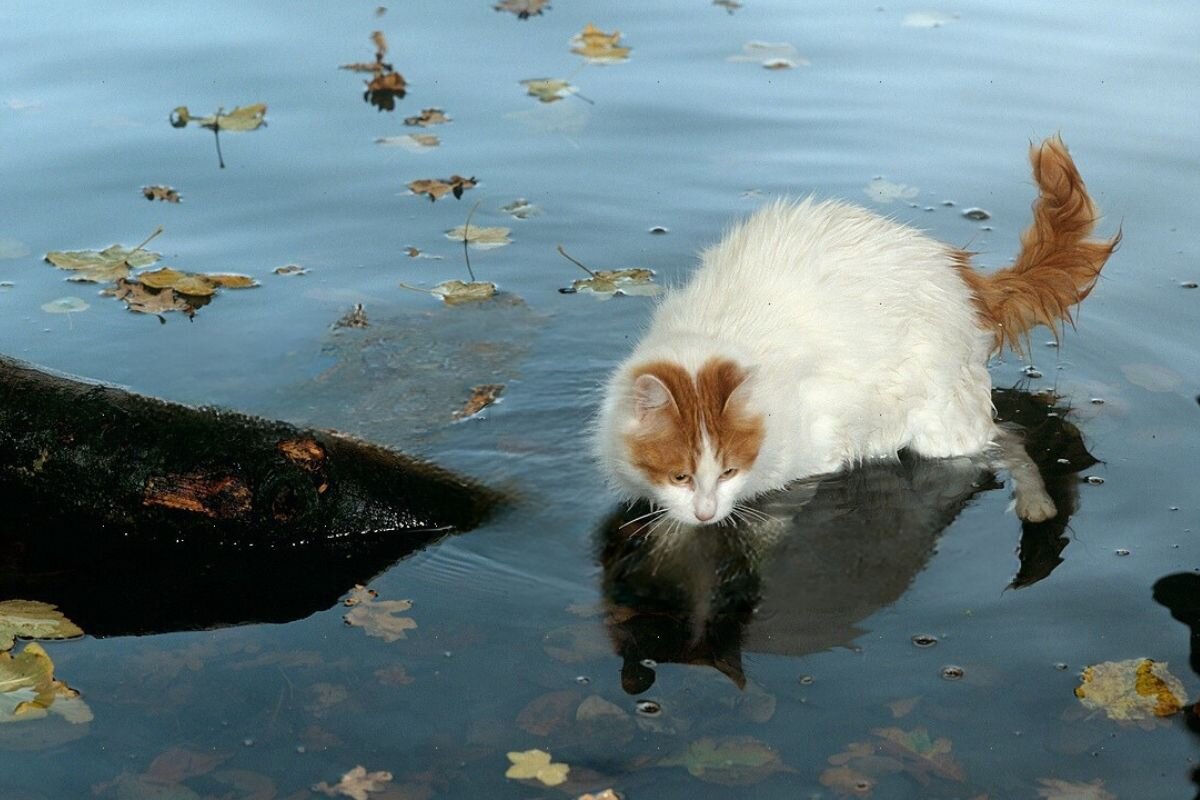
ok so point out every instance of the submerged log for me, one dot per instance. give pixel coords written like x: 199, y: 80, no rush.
x: 109, y: 498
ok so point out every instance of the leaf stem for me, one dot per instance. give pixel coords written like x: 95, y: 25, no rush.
x: 466, y: 234
x: 563, y: 253
x: 145, y: 242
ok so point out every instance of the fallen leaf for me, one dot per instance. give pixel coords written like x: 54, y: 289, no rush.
x: 356, y: 784
x: 920, y: 755
x: 524, y: 9
x: 848, y: 782
x: 354, y: 318
x: 902, y: 708
x: 378, y: 617
x: 290, y: 269
x: 1131, y: 690
x: 599, y: 47
x: 428, y: 116
x: 241, y: 119
x: 606, y: 283
x: 12, y: 248
x: 194, y: 284
x: 1152, y: 377
x: 1054, y: 789
x: 728, y: 761
x: 410, y: 141
x: 26, y: 682
x: 548, y: 713
x: 536, y: 765
x: 435, y: 188
x: 729, y: 5
x: 32, y: 619
x: 456, y: 292
x: 884, y: 191
x: 413, y: 252
x: 176, y: 765
x: 548, y: 90
x: 164, y: 193
x: 480, y: 238
x: 93, y: 266
x: 520, y: 208
x: 144, y: 300
x: 607, y: 794
x: 392, y: 82
x: 772, y: 55
x: 481, y: 397
x: 395, y: 675
x: 381, y: 44
x: 65, y: 305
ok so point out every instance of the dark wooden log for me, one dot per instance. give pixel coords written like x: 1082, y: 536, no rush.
x: 138, y: 515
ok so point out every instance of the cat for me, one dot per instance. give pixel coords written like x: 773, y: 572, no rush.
x: 817, y: 335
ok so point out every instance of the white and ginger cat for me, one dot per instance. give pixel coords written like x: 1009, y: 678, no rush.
x: 817, y: 335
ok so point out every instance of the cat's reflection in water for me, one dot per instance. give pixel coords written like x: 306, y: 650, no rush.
x: 828, y: 555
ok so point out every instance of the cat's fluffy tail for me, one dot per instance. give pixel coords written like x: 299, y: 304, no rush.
x: 1058, y: 264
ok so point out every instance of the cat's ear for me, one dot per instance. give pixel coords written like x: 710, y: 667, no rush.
x: 741, y: 389
x: 649, y: 395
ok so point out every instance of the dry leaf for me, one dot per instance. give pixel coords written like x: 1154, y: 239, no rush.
x: 520, y: 208
x: 106, y: 265
x: 607, y: 794
x: 536, y: 765
x: 145, y: 300
x: 241, y: 119
x: 355, y: 318
x: 606, y: 283
x: 479, y: 237
x: 290, y: 269
x: 194, y: 284
x: 435, y: 188
x: 1054, y: 789
x: 729, y: 5
x: 164, y: 193
x: 524, y: 9
x: 548, y: 90
x: 377, y: 617
x: 902, y: 708
x: 481, y: 397
x: 456, y: 292
x: 410, y: 141
x: 32, y: 619
x: 356, y: 784
x: 599, y: 47
x: 1131, y: 690
x: 921, y: 755
x: 381, y: 45
x: 26, y: 682
x: 392, y: 82
x: 414, y: 252
x: 428, y: 116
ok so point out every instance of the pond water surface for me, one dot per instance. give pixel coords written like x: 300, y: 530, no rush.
x: 540, y: 630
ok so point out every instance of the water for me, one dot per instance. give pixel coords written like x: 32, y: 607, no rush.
x: 508, y: 617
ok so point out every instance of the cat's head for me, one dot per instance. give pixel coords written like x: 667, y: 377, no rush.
x: 690, y: 440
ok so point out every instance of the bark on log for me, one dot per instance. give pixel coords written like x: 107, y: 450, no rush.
x: 137, y: 516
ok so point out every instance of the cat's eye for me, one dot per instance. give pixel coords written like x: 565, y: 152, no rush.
x: 729, y: 473
x: 681, y: 479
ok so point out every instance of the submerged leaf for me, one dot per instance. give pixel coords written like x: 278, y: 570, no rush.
x: 479, y: 237
x: 66, y: 305
x: 921, y: 755
x: 435, y: 188
x: 354, y: 318
x: 599, y: 47
x: 728, y: 761
x: 548, y: 90
x: 32, y: 619
x: 377, y: 617
x: 1135, y: 689
x: 1054, y: 789
x: 356, y: 784
x: 536, y: 765
x: 521, y: 208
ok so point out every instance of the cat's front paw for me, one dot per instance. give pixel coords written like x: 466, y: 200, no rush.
x: 1035, y: 506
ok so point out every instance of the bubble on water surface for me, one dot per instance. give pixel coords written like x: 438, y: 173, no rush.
x: 950, y: 672
x: 924, y: 640
x: 648, y: 708
x: 1094, y: 480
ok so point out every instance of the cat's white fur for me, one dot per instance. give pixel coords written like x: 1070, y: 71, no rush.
x: 860, y: 339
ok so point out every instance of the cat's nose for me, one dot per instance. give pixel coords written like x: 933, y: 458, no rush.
x: 705, y: 515
x: 705, y: 508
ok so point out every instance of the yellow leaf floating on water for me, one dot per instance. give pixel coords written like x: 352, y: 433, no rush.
x: 427, y: 117
x: 164, y: 193
x: 548, y: 90
x: 377, y: 617
x: 195, y: 284
x: 93, y: 266
x: 1131, y: 690
x: 606, y: 283
x: 481, y: 397
x: 241, y: 119
x: 536, y: 765
x: 356, y: 784
x: 480, y: 238
x: 32, y: 619
x: 524, y: 9
x: 599, y: 47
x: 435, y: 188
x: 1054, y: 789
x: 28, y: 690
